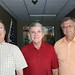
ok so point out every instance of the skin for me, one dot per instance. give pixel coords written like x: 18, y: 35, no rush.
x: 19, y: 72
x: 2, y: 33
x: 36, y: 35
x: 69, y: 30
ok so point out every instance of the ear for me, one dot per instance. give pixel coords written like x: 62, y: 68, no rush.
x: 43, y: 34
x: 5, y: 31
x: 74, y: 27
x: 62, y: 29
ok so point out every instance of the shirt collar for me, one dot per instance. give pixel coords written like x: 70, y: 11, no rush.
x: 66, y: 41
x: 32, y: 45
x: 2, y: 43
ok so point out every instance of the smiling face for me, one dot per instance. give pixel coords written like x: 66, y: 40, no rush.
x: 2, y: 32
x: 36, y: 34
x: 68, y: 28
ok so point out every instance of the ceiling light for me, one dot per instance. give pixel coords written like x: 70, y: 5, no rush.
x: 42, y: 15
x: 34, y: 1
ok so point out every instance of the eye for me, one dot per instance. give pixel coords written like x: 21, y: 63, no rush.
x: 1, y: 29
x: 39, y: 31
x: 70, y: 26
x: 32, y: 32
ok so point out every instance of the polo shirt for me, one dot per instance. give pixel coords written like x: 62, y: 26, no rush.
x: 66, y: 56
x: 40, y: 62
x: 11, y: 59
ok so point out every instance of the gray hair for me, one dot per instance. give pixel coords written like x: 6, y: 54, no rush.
x: 36, y: 25
x: 66, y: 19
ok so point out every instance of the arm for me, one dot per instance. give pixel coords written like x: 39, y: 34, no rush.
x: 20, y: 72
x: 55, y: 71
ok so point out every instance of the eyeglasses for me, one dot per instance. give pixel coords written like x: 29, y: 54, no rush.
x: 68, y: 26
x: 1, y: 29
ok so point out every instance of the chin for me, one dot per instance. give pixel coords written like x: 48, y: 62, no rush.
x: 36, y: 41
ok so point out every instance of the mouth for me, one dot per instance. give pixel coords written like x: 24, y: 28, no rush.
x: 36, y: 37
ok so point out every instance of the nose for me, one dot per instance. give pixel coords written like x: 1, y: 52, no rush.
x: 35, y: 33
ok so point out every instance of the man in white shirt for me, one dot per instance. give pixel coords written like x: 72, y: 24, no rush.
x: 11, y: 58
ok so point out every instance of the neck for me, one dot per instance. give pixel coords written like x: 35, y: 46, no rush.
x: 69, y: 38
x: 2, y: 41
x: 37, y: 45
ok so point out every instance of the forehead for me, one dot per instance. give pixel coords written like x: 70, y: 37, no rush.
x: 1, y: 25
x: 68, y: 22
x: 35, y: 28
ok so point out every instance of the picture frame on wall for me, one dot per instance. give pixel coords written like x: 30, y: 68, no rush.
x: 26, y: 37
x: 49, y: 36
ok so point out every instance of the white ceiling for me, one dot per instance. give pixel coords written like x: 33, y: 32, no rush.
x: 22, y: 9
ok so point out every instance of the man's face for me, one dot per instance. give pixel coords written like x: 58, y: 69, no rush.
x: 36, y: 34
x: 2, y: 32
x: 68, y: 28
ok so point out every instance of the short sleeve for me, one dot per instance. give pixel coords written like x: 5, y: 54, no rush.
x: 20, y: 62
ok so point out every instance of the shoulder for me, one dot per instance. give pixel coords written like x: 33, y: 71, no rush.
x: 12, y: 46
x: 48, y: 46
x: 59, y: 42
x: 26, y: 47
x: 13, y: 49
x: 49, y: 49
